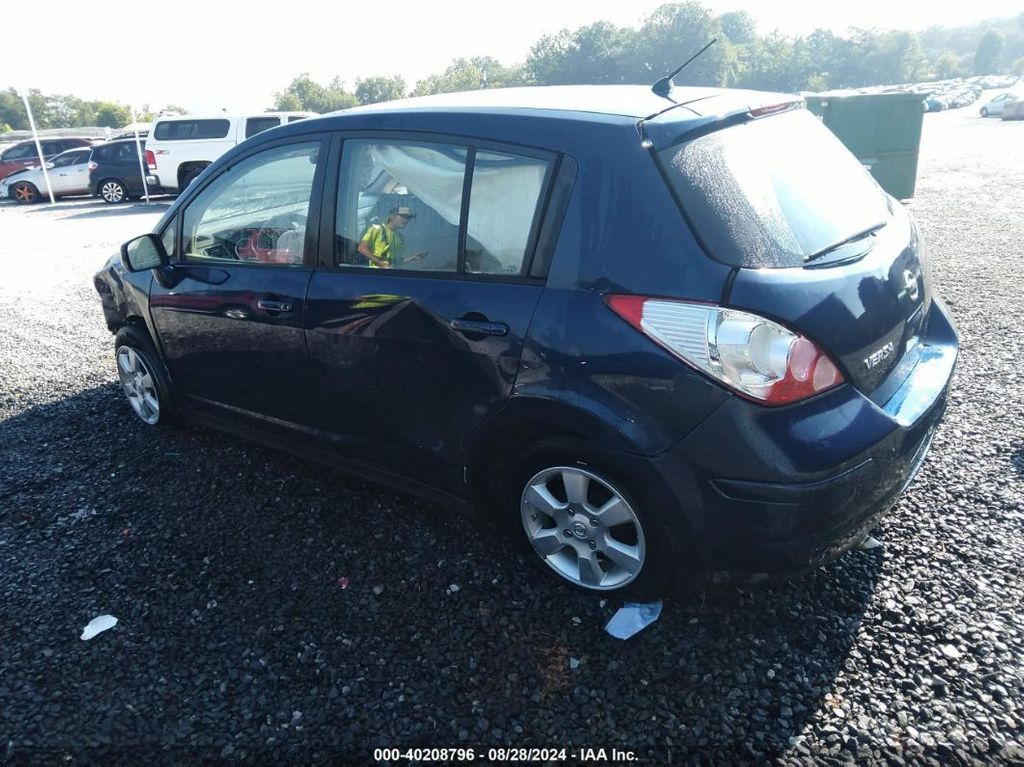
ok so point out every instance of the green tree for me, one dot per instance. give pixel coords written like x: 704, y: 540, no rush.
x: 739, y: 27
x: 469, y: 75
x: 373, y: 90
x: 672, y: 34
x: 989, y: 53
x: 948, y: 65
x: 595, y: 54
x: 772, y: 64
x: 304, y: 93
x: 109, y: 114
x: 12, y: 111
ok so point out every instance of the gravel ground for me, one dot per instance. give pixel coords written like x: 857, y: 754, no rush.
x: 236, y: 639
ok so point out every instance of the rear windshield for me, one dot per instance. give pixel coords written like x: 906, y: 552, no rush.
x: 773, y: 192
x: 178, y: 130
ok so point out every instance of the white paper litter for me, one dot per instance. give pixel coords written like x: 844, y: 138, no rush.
x: 98, y: 625
x: 870, y: 542
x: 632, y: 618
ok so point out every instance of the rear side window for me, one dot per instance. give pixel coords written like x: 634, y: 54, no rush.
x: 183, y: 130
x: 503, y: 201
x: 127, y: 152
x: 773, y: 192
x: 401, y: 206
x: 256, y: 125
x: 20, y: 152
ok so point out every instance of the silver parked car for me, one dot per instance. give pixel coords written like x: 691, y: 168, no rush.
x: 68, y: 171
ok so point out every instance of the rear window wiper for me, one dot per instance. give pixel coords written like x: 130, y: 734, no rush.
x: 852, y: 238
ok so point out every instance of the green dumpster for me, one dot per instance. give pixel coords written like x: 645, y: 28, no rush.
x: 883, y: 130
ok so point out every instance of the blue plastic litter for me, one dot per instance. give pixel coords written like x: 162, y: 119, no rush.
x: 632, y: 618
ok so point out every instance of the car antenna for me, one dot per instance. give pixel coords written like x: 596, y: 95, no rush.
x: 664, y: 85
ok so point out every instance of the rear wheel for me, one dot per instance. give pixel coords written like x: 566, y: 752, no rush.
x: 113, y: 191
x: 143, y: 381
x: 191, y: 176
x: 25, y: 192
x: 580, y: 522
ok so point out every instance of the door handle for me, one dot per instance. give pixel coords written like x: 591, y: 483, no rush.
x: 273, y: 305
x: 479, y: 327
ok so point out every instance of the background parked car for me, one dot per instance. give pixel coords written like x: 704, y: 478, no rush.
x: 68, y: 172
x: 25, y: 155
x: 184, y: 146
x: 115, y: 173
x: 995, y: 105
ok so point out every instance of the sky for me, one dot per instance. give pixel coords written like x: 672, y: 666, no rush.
x: 208, y: 55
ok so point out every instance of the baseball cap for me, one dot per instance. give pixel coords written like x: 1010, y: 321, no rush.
x: 402, y: 211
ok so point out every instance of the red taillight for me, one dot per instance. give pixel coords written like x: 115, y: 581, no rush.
x: 93, y: 165
x: 753, y: 356
x: 150, y: 159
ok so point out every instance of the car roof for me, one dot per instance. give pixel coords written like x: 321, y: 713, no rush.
x: 627, y: 101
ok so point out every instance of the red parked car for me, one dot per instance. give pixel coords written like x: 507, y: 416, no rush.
x: 25, y: 155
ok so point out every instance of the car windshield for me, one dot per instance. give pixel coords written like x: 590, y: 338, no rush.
x: 773, y: 192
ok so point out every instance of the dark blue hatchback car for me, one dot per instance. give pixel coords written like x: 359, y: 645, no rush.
x: 649, y: 335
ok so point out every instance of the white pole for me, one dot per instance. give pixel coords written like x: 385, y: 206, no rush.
x: 142, y: 162
x: 39, y: 147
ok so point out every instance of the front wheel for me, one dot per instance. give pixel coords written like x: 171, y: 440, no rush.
x: 113, y: 191
x: 580, y: 522
x: 142, y: 378
x: 24, y: 193
x: 984, y: 112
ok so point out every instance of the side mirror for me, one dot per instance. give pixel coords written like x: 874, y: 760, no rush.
x: 144, y: 252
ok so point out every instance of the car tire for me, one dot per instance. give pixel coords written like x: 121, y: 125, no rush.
x: 191, y: 176
x: 630, y: 558
x: 984, y: 112
x: 112, y: 191
x: 144, y: 381
x: 24, y: 193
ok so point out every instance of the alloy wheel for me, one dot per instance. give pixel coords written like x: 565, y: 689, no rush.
x: 25, y: 193
x: 583, y: 528
x: 111, y: 191
x: 139, y: 384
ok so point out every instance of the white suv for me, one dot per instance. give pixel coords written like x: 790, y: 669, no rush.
x: 179, y: 148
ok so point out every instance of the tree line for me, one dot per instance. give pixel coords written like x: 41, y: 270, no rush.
x: 603, y: 52
x: 61, y: 111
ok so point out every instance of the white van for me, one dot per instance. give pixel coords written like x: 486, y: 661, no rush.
x: 180, y: 147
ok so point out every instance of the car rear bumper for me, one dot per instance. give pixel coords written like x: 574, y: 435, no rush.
x: 777, y: 490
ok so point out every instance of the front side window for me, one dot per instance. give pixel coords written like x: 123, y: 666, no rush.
x: 64, y: 160
x: 169, y: 237
x: 180, y: 130
x: 401, y: 207
x: 256, y: 211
